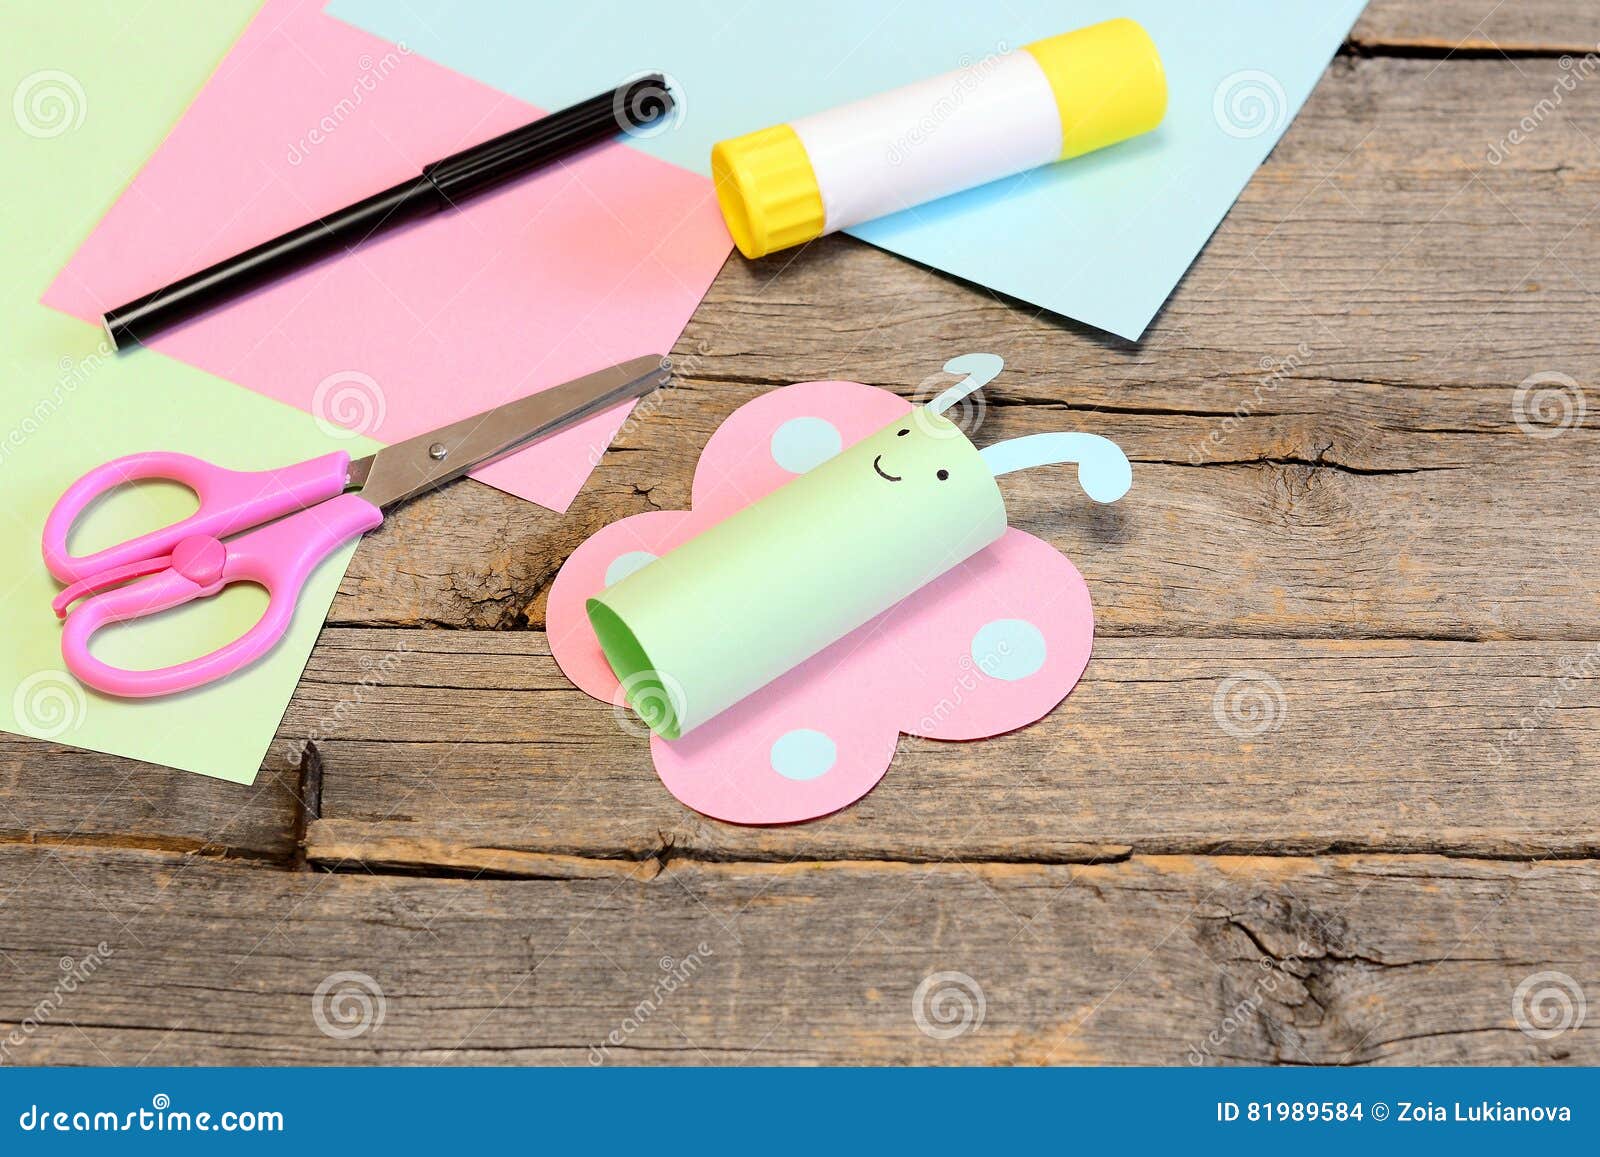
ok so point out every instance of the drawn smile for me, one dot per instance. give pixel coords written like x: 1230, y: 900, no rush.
x: 879, y: 469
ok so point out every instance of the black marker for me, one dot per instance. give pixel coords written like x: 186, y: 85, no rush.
x: 494, y: 162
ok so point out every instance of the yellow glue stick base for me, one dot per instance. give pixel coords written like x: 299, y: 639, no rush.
x: 1108, y: 83
x: 767, y: 191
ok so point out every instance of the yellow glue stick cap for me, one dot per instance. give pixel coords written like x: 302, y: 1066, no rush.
x: 1108, y: 82
x: 767, y: 190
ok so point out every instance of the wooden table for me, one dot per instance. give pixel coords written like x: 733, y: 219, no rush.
x: 1343, y: 517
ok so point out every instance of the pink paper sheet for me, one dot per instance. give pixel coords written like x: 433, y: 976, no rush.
x: 596, y: 260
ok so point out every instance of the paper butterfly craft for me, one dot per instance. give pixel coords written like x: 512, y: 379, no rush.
x: 989, y: 646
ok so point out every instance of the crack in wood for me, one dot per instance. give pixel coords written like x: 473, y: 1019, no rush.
x: 308, y: 800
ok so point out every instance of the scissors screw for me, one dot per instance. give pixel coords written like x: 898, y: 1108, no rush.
x: 437, y: 451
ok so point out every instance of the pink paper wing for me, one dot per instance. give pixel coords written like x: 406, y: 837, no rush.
x: 989, y: 646
x: 805, y: 745
x: 782, y: 434
x: 606, y: 557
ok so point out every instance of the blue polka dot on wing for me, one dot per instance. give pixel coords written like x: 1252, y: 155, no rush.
x: 625, y: 564
x: 1008, y: 649
x: 803, y: 754
x: 802, y: 443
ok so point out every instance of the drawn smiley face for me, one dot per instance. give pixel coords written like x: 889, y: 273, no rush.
x: 922, y: 449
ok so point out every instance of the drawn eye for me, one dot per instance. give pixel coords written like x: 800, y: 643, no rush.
x: 942, y: 475
x: 903, y: 433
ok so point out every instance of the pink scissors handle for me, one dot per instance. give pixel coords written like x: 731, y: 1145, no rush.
x: 279, y: 557
x: 230, y: 500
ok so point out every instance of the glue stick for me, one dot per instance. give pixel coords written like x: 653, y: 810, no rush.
x: 1056, y: 98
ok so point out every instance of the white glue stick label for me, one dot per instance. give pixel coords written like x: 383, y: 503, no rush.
x: 926, y: 140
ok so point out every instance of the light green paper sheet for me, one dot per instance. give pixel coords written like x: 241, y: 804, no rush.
x: 94, y: 88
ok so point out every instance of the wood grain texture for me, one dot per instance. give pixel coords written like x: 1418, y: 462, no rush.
x: 1174, y: 960
x: 1477, y: 26
x: 474, y: 753
x: 54, y: 794
x: 1324, y: 421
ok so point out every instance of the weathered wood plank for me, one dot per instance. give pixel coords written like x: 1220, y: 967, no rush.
x: 1324, y: 421
x: 1498, y: 547
x: 55, y: 794
x: 1390, y: 960
x: 1478, y: 25
x: 473, y: 753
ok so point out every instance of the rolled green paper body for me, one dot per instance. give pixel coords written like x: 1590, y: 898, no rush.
x: 698, y: 629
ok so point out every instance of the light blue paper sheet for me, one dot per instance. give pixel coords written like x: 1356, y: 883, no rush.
x: 1103, y: 239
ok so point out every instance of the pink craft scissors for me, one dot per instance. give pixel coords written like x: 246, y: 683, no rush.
x: 312, y: 508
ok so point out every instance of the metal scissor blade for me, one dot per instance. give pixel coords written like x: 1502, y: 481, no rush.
x: 419, y: 464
